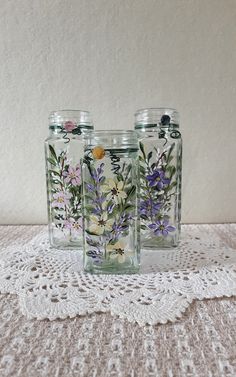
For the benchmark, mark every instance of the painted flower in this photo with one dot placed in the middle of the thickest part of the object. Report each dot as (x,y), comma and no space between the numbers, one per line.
(97,173)
(73,175)
(117,251)
(161,228)
(100,224)
(69,126)
(96,254)
(114,190)
(61,199)
(122,224)
(158,179)
(73,224)
(149,207)
(98,153)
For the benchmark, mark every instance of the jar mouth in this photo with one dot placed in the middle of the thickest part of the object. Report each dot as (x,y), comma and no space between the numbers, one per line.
(110,139)
(151,118)
(80,118)
(112,132)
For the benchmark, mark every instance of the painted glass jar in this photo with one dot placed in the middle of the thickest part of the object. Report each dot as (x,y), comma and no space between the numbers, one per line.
(160,157)
(110,202)
(64,151)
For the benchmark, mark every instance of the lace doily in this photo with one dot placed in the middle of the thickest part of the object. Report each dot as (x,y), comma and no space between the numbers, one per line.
(51,284)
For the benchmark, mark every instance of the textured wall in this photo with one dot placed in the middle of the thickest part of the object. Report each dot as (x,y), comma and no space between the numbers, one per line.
(112,57)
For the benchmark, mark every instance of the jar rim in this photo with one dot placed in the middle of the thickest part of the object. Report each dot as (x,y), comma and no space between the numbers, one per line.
(156,109)
(152,117)
(77,116)
(112,138)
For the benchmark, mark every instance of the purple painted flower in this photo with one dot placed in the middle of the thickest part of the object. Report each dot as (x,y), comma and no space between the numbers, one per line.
(158,179)
(97,174)
(149,207)
(90,187)
(161,228)
(72,175)
(73,224)
(100,169)
(96,254)
(110,208)
(61,199)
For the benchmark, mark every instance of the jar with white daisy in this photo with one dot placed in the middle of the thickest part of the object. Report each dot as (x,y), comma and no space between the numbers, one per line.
(63,152)
(110,176)
(160,158)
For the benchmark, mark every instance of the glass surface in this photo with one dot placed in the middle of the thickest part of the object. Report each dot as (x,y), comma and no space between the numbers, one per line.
(63,152)
(110,198)
(160,157)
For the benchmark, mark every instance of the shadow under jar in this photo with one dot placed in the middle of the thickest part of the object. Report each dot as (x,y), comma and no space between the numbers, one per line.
(63,151)
(110,178)
(160,158)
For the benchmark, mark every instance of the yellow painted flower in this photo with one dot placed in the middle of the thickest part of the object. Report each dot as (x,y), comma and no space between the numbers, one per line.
(114,190)
(100,224)
(98,153)
(117,251)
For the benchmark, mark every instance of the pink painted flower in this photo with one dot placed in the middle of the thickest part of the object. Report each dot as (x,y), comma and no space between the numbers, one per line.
(73,175)
(69,126)
(72,224)
(61,199)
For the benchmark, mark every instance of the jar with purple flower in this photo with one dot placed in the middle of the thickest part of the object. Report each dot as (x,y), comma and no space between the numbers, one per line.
(110,202)
(64,151)
(160,158)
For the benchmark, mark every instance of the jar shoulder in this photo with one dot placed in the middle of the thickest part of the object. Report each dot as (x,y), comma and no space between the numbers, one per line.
(61,138)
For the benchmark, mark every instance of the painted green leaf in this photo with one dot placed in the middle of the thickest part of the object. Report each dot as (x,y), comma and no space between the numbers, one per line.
(149,156)
(131,192)
(143,227)
(52,162)
(54,172)
(90,233)
(128,208)
(169,152)
(92,243)
(53,153)
(142,149)
(89,207)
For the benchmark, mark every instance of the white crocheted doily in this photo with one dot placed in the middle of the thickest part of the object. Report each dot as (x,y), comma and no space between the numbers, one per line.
(51,284)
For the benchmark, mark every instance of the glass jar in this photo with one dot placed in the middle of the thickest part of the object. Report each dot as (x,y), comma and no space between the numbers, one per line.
(160,159)
(64,151)
(110,178)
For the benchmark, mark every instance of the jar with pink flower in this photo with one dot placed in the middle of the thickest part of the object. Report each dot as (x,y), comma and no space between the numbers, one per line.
(63,152)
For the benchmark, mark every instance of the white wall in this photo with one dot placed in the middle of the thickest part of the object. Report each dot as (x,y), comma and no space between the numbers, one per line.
(112,57)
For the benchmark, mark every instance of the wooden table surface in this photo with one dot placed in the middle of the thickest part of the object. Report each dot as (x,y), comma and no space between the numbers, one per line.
(201,343)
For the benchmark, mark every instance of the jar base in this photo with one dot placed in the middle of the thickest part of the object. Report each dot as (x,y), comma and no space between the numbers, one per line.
(156,244)
(59,244)
(113,269)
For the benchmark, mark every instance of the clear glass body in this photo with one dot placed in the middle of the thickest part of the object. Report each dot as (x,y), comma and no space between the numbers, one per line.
(110,203)
(160,158)
(63,153)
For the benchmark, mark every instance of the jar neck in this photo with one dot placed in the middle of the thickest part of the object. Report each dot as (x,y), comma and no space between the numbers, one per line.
(119,139)
(73,122)
(156,128)
(59,130)
(155,119)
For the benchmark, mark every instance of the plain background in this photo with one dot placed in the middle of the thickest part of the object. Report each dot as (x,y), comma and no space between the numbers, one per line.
(112,57)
